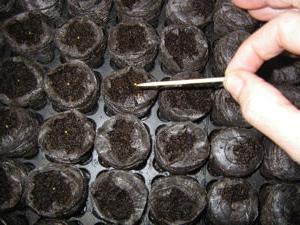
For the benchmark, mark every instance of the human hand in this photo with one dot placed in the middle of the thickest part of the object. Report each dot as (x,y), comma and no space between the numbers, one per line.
(262,105)
(268,9)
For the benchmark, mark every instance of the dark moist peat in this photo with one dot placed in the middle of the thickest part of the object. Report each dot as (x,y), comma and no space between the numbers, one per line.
(280,70)
(123,142)
(119,197)
(95,10)
(52,9)
(181,148)
(56,191)
(12,184)
(61,82)
(278,165)
(21,83)
(81,39)
(13,218)
(67,137)
(121,96)
(18,132)
(235,152)
(232,201)
(185,104)
(291,92)
(226,111)
(183,48)
(133,44)
(280,204)
(224,50)
(228,18)
(2,43)
(139,10)
(176,200)
(193,13)
(31,35)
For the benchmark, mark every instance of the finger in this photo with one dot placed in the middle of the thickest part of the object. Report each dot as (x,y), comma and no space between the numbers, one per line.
(267,109)
(257,4)
(281,33)
(268,13)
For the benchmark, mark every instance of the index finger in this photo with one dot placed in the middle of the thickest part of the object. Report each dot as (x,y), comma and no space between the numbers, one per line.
(279,34)
(257,4)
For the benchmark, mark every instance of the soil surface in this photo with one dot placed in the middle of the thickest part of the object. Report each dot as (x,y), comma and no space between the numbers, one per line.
(80,35)
(236,193)
(131,38)
(246,151)
(129,3)
(49,188)
(114,201)
(5,187)
(8,121)
(16,79)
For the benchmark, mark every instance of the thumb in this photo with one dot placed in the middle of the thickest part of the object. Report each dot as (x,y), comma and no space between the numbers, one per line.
(264,107)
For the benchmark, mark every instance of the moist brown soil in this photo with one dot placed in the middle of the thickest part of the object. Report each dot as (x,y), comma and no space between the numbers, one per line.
(129,3)
(49,188)
(8,121)
(236,193)
(203,7)
(120,140)
(80,35)
(123,87)
(181,46)
(5,187)
(177,205)
(114,201)
(27,31)
(131,38)
(68,133)
(16,79)
(68,82)
(177,145)
(246,151)
(195,99)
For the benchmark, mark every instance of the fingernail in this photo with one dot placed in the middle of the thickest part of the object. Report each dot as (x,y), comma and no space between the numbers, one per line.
(234,83)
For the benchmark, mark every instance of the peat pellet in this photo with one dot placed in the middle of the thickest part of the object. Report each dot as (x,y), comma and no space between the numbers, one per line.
(192,13)
(139,10)
(277,164)
(232,201)
(281,70)
(224,50)
(185,104)
(181,148)
(235,152)
(183,48)
(72,85)
(119,197)
(21,83)
(123,142)
(95,10)
(280,204)
(227,18)
(52,222)
(12,184)
(226,111)
(53,9)
(56,191)
(30,34)
(81,39)
(133,44)
(18,132)
(67,137)
(121,96)
(176,200)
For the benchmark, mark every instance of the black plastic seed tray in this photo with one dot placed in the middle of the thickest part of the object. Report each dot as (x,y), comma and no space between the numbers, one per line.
(149,171)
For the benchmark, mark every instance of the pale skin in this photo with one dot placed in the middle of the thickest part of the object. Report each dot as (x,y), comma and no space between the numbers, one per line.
(263,105)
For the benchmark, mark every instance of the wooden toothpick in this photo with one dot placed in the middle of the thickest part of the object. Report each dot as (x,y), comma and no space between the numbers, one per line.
(176,83)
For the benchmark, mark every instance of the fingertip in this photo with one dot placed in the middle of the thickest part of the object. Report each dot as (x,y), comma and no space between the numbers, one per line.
(246,4)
